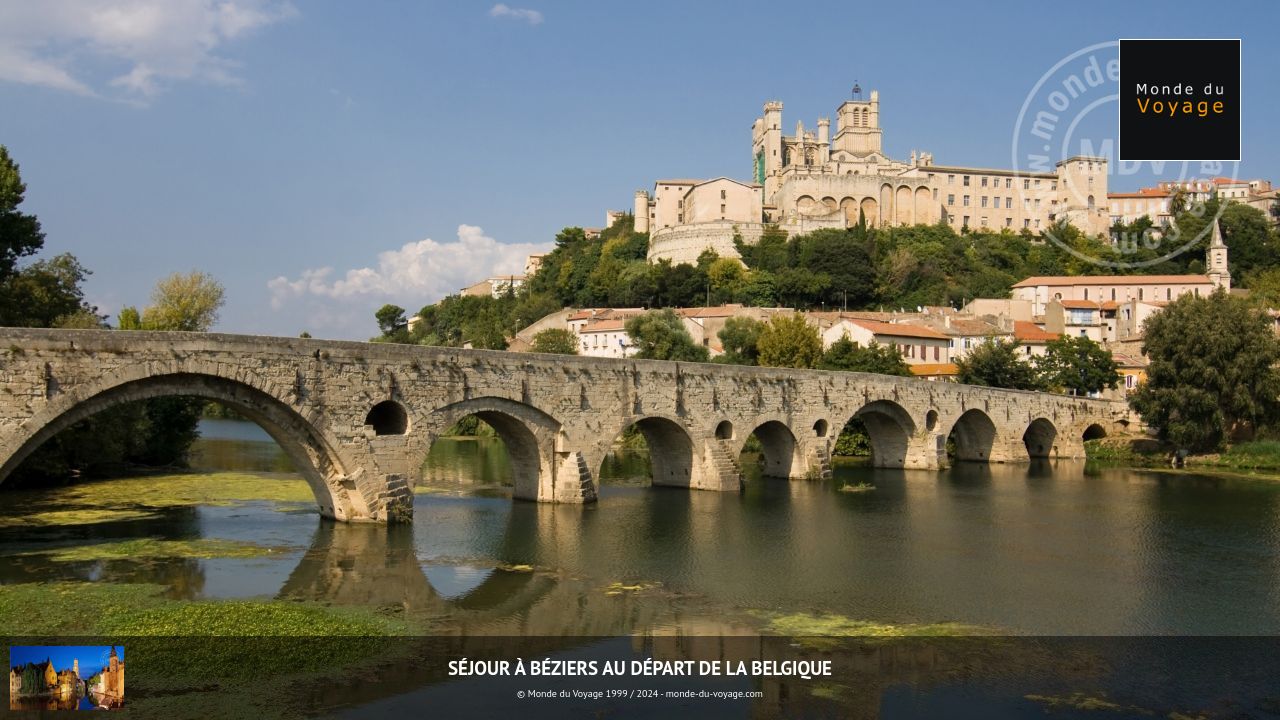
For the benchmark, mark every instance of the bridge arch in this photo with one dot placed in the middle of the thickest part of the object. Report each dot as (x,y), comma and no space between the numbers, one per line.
(1040,437)
(779,449)
(974,435)
(528,433)
(1093,431)
(889,428)
(671,455)
(312,449)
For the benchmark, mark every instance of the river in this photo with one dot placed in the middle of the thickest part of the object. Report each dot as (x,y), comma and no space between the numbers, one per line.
(1049,549)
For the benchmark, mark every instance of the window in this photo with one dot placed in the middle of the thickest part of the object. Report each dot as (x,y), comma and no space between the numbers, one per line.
(966,201)
(984,221)
(1008,222)
(1113,294)
(722,194)
(1037,184)
(935,193)
(951,199)
(937,353)
(966,181)
(1037,203)
(951,179)
(966,221)
(1026,184)
(1130,382)
(1026,223)
(1086,293)
(1053,185)
(1008,183)
(1139,293)
(984,182)
(984,201)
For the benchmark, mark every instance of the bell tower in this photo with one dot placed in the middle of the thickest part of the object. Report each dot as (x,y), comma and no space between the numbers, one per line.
(858,126)
(1216,260)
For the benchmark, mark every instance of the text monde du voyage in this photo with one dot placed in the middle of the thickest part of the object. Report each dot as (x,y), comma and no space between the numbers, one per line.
(1180,99)
(547,667)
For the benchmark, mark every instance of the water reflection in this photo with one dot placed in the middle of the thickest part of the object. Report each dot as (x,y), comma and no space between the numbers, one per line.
(1052,547)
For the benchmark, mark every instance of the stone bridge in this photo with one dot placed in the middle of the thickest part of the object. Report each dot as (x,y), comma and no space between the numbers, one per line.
(358,419)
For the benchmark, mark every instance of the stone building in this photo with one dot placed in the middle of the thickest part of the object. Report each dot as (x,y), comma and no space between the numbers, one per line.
(110,687)
(807,181)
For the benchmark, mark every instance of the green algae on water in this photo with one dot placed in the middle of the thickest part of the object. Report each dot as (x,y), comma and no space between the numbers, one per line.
(135,610)
(139,498)
(146,548)
(78,516)
(831,625)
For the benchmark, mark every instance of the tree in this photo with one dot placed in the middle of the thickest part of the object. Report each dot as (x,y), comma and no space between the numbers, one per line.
(41,293)
(1078,365)
(390,319)
(1212,374)
(1248,233)
(556,341)
(129,318)
(739,338)
(789,341)
(186,302)
(845,354)
(20,234)
(996,363)
(660,335)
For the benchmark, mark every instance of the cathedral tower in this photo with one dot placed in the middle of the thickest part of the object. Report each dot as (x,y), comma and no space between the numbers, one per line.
(858,127)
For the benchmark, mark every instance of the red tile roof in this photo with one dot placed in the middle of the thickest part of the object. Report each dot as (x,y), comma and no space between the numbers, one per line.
(1080,304)
(1070,280)
(935,369)
(897,329)
(1031,333)
(603,326)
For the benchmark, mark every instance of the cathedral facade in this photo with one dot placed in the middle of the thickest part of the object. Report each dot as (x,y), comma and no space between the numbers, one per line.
(808,181)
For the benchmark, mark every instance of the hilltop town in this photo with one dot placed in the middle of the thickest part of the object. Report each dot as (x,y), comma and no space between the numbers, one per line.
(929,260)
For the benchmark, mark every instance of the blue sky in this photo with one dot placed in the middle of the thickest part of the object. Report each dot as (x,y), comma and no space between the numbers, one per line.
(411,148)
(92,657)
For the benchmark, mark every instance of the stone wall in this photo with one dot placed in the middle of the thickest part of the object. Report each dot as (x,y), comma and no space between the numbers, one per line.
(558,415)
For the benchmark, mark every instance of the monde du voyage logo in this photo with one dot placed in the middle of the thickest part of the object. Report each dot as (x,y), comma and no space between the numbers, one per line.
(1180,100)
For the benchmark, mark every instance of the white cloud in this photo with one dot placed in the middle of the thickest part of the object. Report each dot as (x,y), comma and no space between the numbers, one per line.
(416,274)
(135,46)
(533,17)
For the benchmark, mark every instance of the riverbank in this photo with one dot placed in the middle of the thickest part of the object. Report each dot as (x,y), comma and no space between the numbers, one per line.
(1257,458)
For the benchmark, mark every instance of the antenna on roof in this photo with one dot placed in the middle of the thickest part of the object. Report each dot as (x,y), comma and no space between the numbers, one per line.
(857,90)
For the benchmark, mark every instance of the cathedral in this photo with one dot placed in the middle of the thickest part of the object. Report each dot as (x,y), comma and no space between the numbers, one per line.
(808,181)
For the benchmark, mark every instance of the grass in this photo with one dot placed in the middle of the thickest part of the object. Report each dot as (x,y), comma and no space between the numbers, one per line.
(857,487)
(215,658)
(143,548)
(1256,456)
